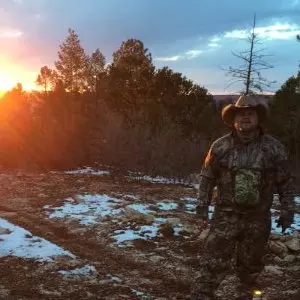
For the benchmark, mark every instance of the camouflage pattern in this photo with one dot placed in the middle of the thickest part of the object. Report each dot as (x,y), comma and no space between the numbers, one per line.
(237,221)
(247,187)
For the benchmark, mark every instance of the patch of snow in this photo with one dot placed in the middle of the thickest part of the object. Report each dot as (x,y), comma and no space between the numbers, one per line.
(156,179)
(21,243)
(167,205)
(114,278)
(189,199)
(190,208)
(297,200)
(88,212)
(141,208)
(88,170)
(160,220)
(133,197)
(84,271)
(178,229)
(145,232)
(137,293)
(125,235)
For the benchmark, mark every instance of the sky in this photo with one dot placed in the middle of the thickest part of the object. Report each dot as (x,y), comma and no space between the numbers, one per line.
(193,37)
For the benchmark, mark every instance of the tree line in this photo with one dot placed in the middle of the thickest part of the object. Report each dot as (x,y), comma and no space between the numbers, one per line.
(127,114)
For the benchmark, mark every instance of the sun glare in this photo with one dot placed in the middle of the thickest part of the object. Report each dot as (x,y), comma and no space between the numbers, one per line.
(5,81)
(9,79)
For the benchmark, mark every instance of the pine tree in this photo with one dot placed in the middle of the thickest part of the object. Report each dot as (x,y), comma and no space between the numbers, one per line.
(46,78)
(72,62)
(285,111)
(130,76)
(95,70)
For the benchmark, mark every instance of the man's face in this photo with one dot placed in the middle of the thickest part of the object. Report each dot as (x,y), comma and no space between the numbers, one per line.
(246,120)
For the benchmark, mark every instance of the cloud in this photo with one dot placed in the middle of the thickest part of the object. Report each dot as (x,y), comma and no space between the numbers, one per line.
(214,45)
(277,31)
(215,39)
(187,55)
(10,33)
(193,53)
(236,34)
(168,58)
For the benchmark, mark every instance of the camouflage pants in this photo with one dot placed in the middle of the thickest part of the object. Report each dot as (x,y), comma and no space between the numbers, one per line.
(232,236)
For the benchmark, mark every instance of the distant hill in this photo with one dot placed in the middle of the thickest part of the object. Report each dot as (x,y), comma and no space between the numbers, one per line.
(220,99)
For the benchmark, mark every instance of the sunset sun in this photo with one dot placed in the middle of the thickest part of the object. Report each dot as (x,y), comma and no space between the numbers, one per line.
(10,76)
(6,82)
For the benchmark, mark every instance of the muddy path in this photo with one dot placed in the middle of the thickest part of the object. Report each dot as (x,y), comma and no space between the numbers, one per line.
(153,266)
(26,195)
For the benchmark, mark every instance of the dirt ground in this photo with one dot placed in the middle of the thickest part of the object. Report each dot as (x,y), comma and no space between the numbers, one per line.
(161,267)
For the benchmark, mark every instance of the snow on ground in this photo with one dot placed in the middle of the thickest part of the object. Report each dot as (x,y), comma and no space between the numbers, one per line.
(17,241)
(167,205)
(145,232)
(88,170)
(141,208)
(155,179)
(87,209)
(91,209)
(84,271)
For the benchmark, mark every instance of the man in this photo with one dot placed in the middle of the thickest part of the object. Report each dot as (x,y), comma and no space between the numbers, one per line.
(247,166)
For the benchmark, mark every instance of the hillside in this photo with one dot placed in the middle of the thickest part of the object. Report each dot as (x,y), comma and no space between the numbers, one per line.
(92,234)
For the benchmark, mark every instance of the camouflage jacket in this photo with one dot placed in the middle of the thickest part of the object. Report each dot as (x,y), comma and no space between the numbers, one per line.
(241,172)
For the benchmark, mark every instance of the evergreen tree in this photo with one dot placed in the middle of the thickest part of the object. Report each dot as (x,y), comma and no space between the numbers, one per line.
(130,76)
(72,63)
(285,112)
(95,70)
(46,78)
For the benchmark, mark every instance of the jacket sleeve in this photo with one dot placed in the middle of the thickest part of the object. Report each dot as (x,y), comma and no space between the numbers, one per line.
(285,180)
(206,183)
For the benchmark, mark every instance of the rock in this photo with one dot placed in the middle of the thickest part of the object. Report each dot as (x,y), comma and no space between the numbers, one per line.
(156,258)
(148,218)
(296,235)
(293,244)
(133,214)
(4,231)
(166,229)
(290,258)
(275,270)
(277,247)
(189,228)
(41,195)
(78,231)
(47,292)
(173,221)
(203,235)
(278,260)
(275,236)
(4,292)
(295,268)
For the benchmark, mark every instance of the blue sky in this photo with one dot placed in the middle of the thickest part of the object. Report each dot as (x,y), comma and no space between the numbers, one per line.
(194,37)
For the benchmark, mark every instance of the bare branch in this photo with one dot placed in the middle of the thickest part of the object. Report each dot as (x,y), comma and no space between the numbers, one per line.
(249,73)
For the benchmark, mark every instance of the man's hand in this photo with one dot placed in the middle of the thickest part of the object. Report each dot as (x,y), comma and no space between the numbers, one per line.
(285,220)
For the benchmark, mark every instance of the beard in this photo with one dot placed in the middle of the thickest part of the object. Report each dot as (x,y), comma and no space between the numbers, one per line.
(246,128)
